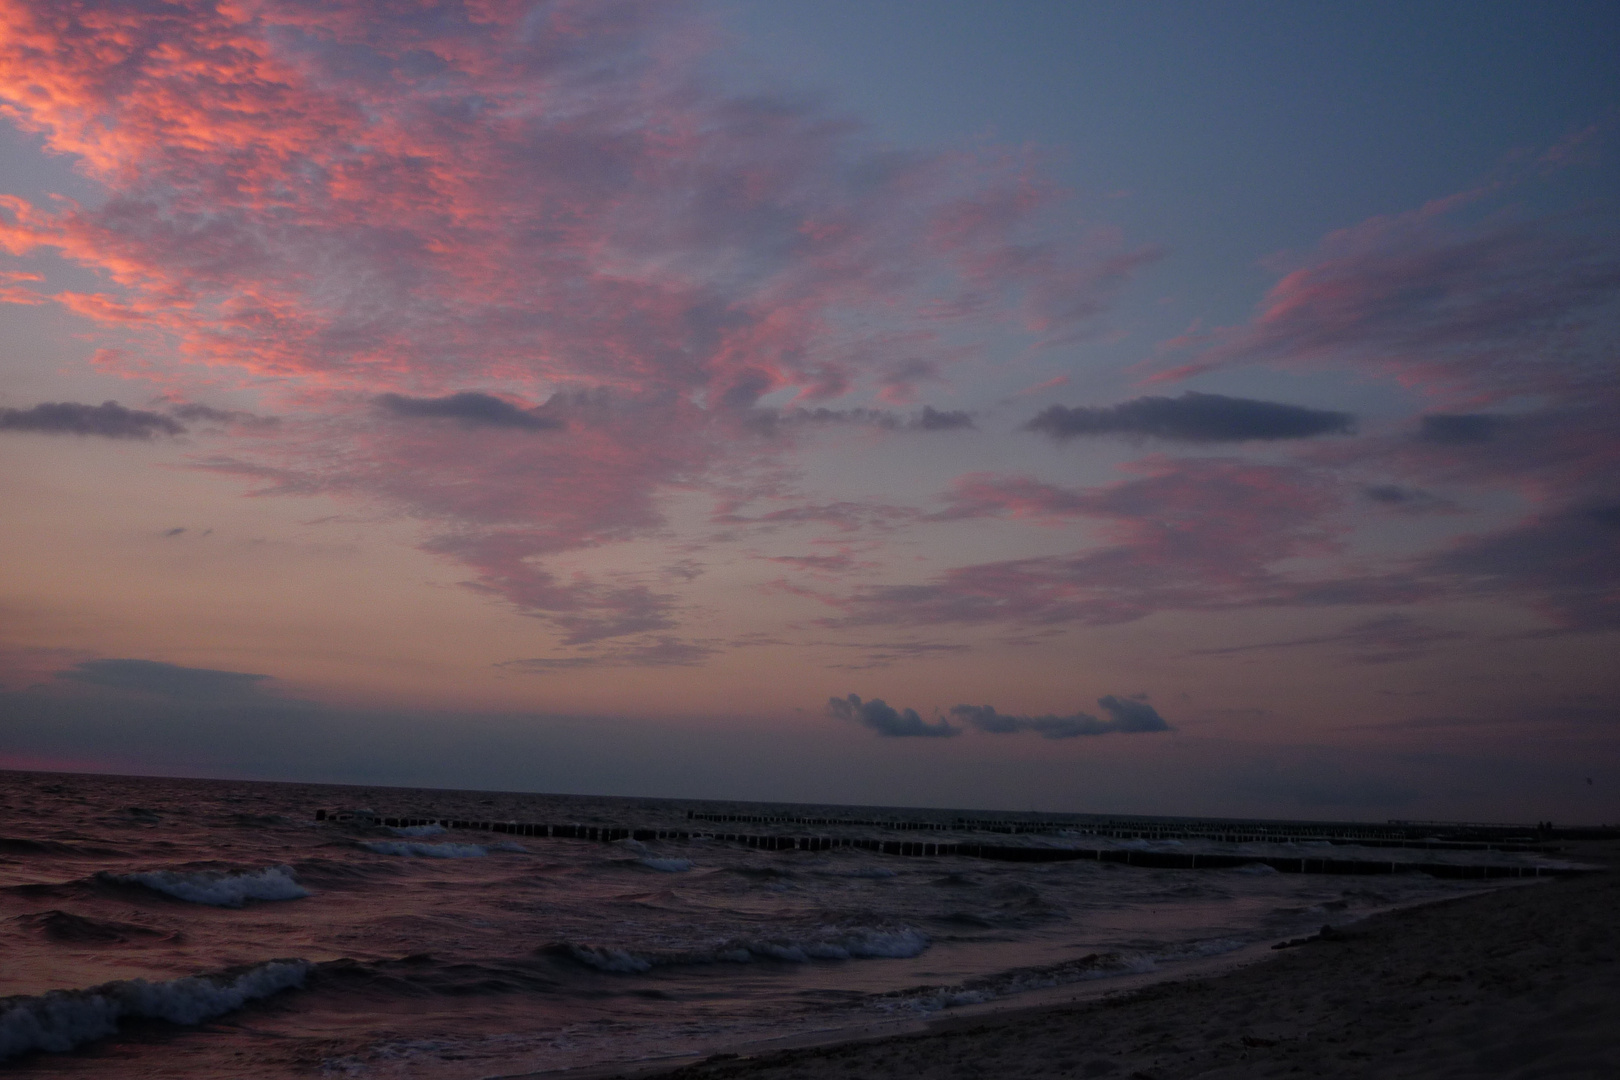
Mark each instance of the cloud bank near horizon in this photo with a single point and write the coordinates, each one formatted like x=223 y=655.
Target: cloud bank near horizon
x=1125 y=716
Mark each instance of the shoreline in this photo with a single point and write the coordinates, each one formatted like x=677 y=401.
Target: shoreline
x=1515 y=981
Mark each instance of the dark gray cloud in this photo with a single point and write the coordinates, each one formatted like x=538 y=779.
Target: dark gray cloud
x=1407 y=500
x=1193 y=417
x=470 y=408
x=1125 y=716
x=931 y=419
x=166 y=680
x=886 y=720
x=769 y=421
x=1461 y=429
x=746 y=389
x=1131 y=714
x=109 y=420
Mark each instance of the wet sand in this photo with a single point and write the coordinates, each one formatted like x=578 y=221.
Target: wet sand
x=1521 y=982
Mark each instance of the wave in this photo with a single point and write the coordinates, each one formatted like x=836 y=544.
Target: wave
x=63 y=1019
x=417 y=830
x=668 y=866
x=58 y=925
x=422 y=974
x=651 y=861
x=430 y=851
x=217 y=888
x=17 y=845
x=1015 y=981
x=828 y=943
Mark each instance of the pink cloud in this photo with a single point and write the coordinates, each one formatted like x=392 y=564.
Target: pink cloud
x=1382 y=640
x=1507 y=327
x=1565 y=563
x=979 y=495
x=842 y=561
x=1469 y=314
x=846 y=516
x=1050 y=384
x=347 y=200
x=1186 y=533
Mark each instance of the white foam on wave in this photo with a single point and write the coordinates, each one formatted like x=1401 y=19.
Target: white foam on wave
x=928 y=999
x=220 y=889
x=417 y=830
x=429 y=851
x=828 y=943
x=63 y=1019
x=668 y=866
x=609 y=959
x=651 y=861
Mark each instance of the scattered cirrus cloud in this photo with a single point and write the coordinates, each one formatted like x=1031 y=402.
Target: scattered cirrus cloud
x=1193 y=417
x=1565 y=563
x=1182 y=534
x=1472 y=311
x=1382 y=640
x=602 y=246
x=1460 y=428
x=659 y=651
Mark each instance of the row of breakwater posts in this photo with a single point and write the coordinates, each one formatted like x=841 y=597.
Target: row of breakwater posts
x=1165 y=860
x=1437 y=836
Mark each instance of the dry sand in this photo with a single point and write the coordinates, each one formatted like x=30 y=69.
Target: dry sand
x=1520 y=982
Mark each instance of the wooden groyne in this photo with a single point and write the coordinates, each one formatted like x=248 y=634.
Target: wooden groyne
x=1166 y=860
x=1397 y=834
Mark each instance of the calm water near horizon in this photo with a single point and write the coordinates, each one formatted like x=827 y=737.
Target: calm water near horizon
x=161 y=927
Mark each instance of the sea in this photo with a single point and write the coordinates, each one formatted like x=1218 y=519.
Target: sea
x=204 y=928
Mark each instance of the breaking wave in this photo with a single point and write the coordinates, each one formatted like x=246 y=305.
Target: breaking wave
x=63 y=1019
x=830 y=943
x=1016 y=981
x=218 y=888
x=430 y=851
x=668 y=866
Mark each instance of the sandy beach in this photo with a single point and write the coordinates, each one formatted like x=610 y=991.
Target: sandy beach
x=1520 y=982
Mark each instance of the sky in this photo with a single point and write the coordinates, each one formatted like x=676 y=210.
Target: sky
x=1155 y=408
